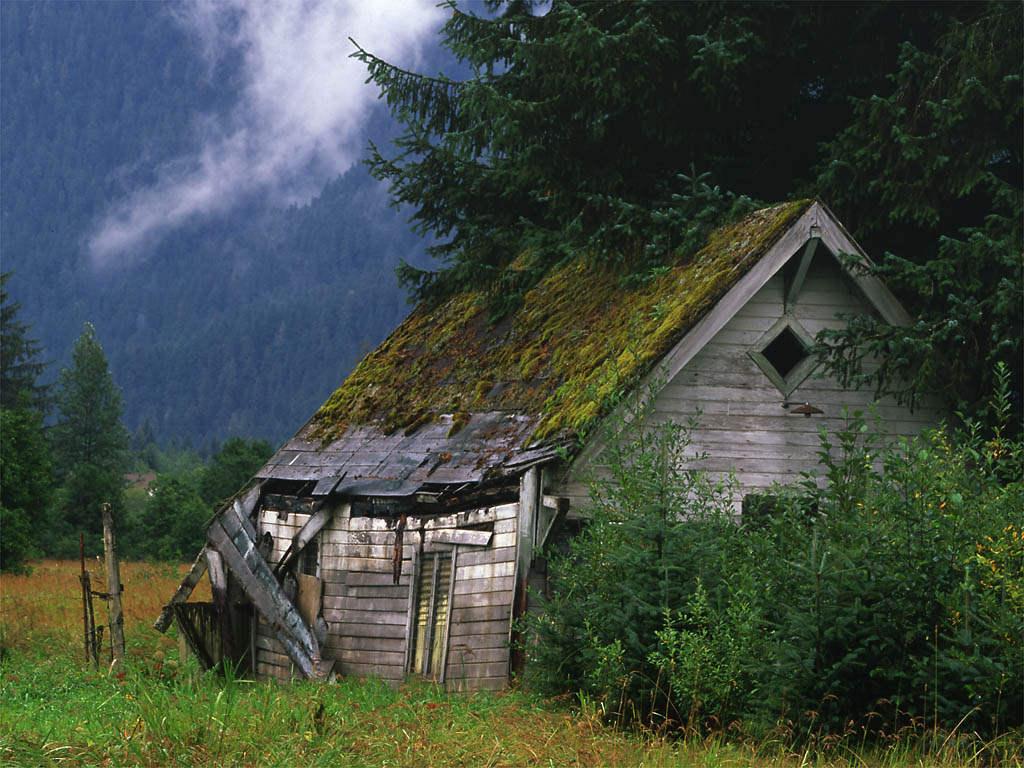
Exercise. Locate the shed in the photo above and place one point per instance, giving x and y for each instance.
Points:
(397, 533)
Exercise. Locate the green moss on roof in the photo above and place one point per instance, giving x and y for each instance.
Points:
(578, 337)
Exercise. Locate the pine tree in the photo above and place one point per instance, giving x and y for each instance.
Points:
(90, 442)
(930, 171)
(20, 367)
(26, 470)
(627, 130)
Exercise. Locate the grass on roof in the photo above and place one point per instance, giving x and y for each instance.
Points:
(578, 340)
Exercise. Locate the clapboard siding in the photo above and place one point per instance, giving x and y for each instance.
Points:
(742, 424)
(367, 614)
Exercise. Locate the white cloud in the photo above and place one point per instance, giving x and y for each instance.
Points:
(299, 115)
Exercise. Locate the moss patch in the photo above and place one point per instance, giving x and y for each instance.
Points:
(578, 339)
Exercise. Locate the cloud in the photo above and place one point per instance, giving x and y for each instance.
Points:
(299, 117)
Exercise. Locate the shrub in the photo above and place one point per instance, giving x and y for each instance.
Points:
(898, 600)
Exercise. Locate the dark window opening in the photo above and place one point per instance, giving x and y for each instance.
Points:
(309, 559)
(785, 352)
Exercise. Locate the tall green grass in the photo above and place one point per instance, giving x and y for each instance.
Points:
(56, 710)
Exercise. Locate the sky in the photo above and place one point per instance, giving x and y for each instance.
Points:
(299, 115)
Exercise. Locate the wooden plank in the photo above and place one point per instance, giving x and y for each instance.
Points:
(309, 597)
(466, 628)
(371, 670)
(261, 587)
(344, 642)
(490, 556)
(375, 657)
(480, 613)
(381, 604)
(458, 656)
(474, 671)
(350, 616)
(218, 578)
(458, 536)
(321, 516)
(797, 275)
(372, 630)
(486, 571)
(477, 586)
(479, 643)
(182, 593)
(373, 579)
(503, 597)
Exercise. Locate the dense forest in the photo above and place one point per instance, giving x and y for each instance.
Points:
(234, 326)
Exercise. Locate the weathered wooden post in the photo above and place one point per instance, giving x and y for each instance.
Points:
(84, 579)
(115, 617)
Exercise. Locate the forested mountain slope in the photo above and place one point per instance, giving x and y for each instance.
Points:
(238, 325)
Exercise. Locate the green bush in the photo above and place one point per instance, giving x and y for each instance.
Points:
(887, 591)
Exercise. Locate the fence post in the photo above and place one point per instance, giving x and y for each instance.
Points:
(115, 616)
(84, 579)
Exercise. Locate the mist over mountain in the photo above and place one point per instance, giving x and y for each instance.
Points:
(160, 181)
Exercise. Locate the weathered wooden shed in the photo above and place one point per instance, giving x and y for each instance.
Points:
(396, 534)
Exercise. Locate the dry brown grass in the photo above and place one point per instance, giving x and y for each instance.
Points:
(47, 603)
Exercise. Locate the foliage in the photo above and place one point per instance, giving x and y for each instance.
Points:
(26, 469)
(231, 467)
(26, 481)
(637, 562)
(624, 129)
(885, 592)
(161, 710)
(929, 171)
(553, 359)
(90, 444)
(20, 367)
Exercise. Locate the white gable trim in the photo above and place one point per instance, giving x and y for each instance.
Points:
(834, 237)
(838, 241)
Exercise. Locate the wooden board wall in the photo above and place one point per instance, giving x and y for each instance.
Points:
(368, 614)
(743, 425)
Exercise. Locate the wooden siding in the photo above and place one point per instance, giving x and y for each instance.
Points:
(368, 614)
(743, 425)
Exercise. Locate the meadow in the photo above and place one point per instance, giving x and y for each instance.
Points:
(57, 709)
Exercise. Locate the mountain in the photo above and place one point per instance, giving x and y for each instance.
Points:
(240, 324)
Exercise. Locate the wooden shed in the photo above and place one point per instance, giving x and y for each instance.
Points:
(396, 534)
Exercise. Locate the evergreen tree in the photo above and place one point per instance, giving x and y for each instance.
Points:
(26, 481)
(20, 367)
(626, 130)
(231, 467)
(90, 442)
(26, 470)
(930, 172)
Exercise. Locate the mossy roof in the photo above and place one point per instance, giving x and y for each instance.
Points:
(579, 337)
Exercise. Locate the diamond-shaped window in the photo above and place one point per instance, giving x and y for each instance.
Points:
(783, 353)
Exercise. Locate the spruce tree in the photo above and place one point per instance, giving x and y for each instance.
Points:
(26, 470)
(90, 442)
(20, 366)
(627, 130)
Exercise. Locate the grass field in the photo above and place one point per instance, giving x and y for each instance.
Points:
(56, 709)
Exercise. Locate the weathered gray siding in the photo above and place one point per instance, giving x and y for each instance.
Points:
(743, 425)
(368, 615)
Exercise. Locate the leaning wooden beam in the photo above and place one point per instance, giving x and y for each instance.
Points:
(231, 534)
(317, 521)
(195, 573)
